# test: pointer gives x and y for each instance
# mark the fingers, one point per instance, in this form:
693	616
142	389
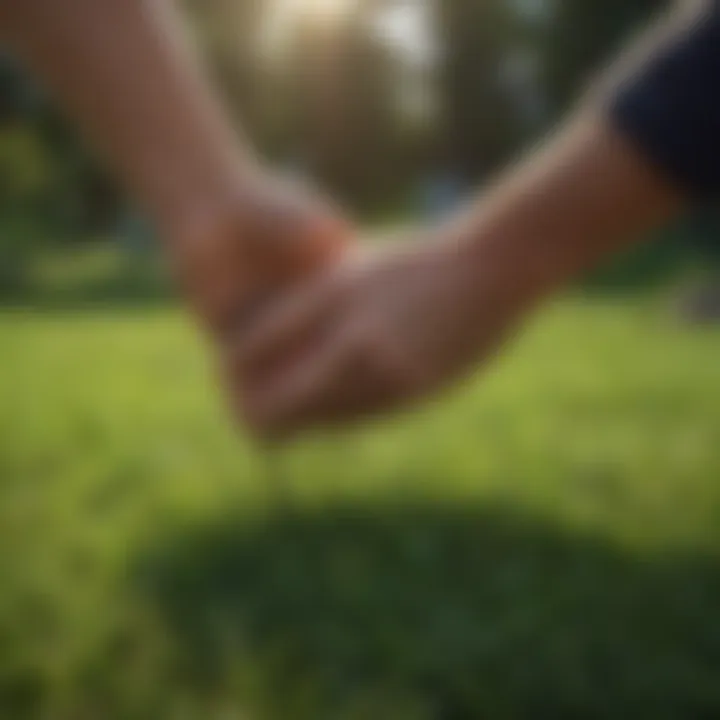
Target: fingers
272	236
299	396
295	233
286	325
351	373
324	387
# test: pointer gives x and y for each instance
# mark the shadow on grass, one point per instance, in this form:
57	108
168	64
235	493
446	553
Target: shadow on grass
438	612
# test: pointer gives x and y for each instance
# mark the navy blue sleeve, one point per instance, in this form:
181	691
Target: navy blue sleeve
668	103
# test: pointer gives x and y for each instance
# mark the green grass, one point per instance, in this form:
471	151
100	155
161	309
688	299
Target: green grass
542	544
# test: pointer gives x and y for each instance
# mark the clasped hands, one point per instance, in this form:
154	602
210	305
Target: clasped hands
317	330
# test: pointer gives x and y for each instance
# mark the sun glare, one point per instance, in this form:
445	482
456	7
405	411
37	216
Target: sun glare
325	10
285	15
319	11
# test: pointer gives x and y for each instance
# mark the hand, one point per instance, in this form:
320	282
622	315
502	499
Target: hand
374	334
232	258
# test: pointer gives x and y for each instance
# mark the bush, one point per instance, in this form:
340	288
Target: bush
20	240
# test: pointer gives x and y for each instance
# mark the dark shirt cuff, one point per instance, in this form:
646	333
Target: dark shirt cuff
669	105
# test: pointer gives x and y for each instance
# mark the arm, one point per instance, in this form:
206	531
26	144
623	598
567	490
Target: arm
392	329
646	142
125	73
586	195
124	70
408	322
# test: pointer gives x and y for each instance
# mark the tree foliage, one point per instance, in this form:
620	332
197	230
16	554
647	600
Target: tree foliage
329	101
582	38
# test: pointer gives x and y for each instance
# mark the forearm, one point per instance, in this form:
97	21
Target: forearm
585	196
647	141
123	69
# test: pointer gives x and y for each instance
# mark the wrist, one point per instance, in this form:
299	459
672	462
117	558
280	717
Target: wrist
190	217
204	235
493	265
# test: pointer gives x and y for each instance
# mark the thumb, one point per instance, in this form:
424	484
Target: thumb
296	233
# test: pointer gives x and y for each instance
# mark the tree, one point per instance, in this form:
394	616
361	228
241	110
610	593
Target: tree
481	124
45	171
582	36
344	88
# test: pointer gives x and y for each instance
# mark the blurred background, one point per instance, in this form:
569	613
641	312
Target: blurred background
542	543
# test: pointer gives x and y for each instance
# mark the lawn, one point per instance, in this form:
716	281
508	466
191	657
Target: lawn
542	544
